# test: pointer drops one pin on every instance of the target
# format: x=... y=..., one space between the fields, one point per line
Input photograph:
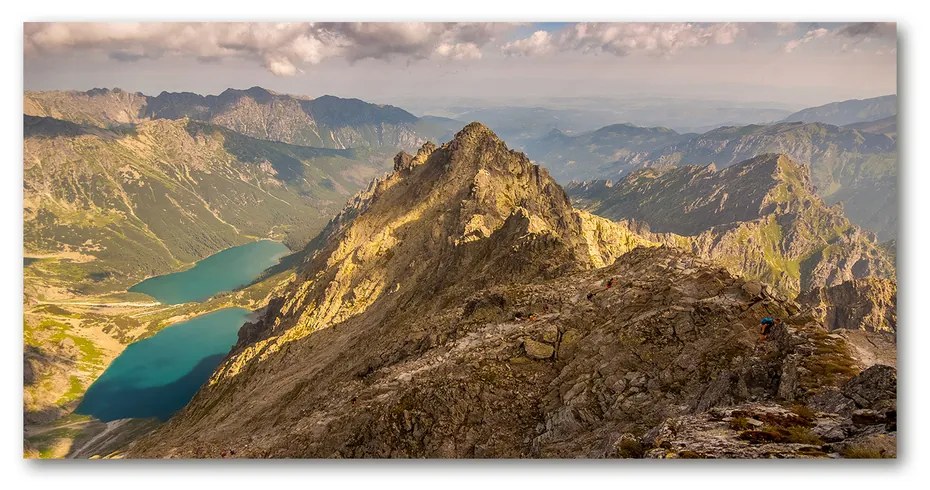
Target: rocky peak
x=96 y=92
x=258 y=94
x=404 y=162
x=449 y=220
x=690 y=199
x=759 y=217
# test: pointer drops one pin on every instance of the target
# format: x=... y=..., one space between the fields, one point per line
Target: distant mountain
x=848 y=111
x=599 y=152
x=887 y=126
x=461 y=308
x=116 y=205
x=533 y=117
x=326 y=122
x=760 y=218
x=440 y=128
x=103 y=108
x=854 y=167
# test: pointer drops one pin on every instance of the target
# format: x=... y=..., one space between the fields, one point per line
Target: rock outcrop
x=857 y=420
x=863 y=304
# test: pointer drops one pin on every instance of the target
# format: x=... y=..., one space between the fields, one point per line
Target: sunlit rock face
x=460 y=307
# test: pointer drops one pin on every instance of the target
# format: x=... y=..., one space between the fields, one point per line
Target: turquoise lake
x=157 y=376
x=223 y=271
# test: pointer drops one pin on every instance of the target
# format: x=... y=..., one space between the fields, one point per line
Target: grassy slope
x=105 y=208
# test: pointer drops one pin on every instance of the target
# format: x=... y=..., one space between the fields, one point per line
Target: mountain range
x=849 y=111
x=461 y=307
x=849 y=165
x=759 y=218
x=325 y=122
x=127 y=203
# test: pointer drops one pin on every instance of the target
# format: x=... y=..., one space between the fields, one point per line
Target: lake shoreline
x=224 y=271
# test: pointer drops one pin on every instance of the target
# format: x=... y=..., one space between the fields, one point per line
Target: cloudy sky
x=787 y=64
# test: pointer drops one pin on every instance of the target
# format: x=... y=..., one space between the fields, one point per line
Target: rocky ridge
x=760 y=218
x=457 y=308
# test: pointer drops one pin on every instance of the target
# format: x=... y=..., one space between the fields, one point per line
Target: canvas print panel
x=460 y=240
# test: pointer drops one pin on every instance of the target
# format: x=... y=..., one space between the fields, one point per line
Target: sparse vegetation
x=630 y=448
x=864 y=451
x=740 y=423
x=803 y=435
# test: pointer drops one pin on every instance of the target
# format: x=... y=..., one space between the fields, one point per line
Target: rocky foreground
x=462 y=308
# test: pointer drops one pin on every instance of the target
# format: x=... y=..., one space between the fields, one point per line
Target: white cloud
x=459 y=51
x=282 y=48
x=281 y=67
x=540 y=42
x=652 y=38
x=811 y=35
x=850 y=34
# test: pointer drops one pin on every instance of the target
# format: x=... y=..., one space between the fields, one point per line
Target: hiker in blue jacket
x=765 y=326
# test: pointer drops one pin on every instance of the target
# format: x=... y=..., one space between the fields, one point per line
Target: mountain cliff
x=460 y=307
x=760 y=218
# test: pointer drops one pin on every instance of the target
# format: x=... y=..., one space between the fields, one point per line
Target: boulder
x=872 y=386
x=538 y=350
x=752 y=288
x=865 y=416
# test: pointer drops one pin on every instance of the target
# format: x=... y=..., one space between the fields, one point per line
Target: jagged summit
x=448 y=221
x=690 y=199
x=475 y=130
x=761 y=217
